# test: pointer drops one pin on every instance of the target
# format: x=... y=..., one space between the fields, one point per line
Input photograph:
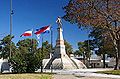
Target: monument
x=60 y=59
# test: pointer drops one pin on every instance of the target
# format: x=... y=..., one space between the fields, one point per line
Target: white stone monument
x=60 y=59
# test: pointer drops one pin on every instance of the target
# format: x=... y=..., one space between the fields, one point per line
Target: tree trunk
x=89 y=62
x=104 y=60
x=41 y=67
x=119 y=49
x=117 y=56
x=116 y=65
x=84 y=58
x=119 y=53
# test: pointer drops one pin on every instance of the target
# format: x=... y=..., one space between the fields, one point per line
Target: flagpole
x=42 y=55
x=11 y=12
x=51 y=41
x=32 y=45
x=32 y=51
x=51 y=45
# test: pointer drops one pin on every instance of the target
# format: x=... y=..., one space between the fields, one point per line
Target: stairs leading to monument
x=68 y=64
x=75 y=63
x=49 y=63
x=79 y=64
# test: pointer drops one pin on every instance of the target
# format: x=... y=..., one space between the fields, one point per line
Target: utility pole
x=11 y=13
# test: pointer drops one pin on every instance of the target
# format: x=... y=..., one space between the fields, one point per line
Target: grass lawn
x=25 y=76
x=113 y=72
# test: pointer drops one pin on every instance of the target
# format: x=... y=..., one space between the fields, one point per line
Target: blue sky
x=32 y=14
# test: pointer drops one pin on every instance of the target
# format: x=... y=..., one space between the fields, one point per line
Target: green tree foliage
x=5 y=43
x=68 y=48
x=104 y=14
x=46 y=49
x=101 y=40
x=27 y=58
x=78 y=53
x=85 y=49
x=29 y=44
x=0 y=51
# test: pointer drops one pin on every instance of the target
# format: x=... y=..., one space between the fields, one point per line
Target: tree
x=85 y=48
x=46 y=49
x=0 y=51
x=82 y=48
x=29 y=44
x=5 y=46
x=27 y=58
x=44 y=52
x=68 y=48
x=78 y=52
x=102 y=41
x=97 y=13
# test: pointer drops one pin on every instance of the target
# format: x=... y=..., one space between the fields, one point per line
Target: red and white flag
x=27 y=33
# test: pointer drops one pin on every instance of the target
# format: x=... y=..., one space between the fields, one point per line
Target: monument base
x=60 y=59
x=64 y=63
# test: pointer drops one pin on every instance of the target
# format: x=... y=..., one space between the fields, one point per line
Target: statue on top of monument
x=59 y=22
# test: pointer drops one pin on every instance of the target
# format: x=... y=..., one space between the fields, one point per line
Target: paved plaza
x=82 y=74
x=79 y=77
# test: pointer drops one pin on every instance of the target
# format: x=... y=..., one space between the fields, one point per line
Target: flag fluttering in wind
x=27 y=33
x=44 y=29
